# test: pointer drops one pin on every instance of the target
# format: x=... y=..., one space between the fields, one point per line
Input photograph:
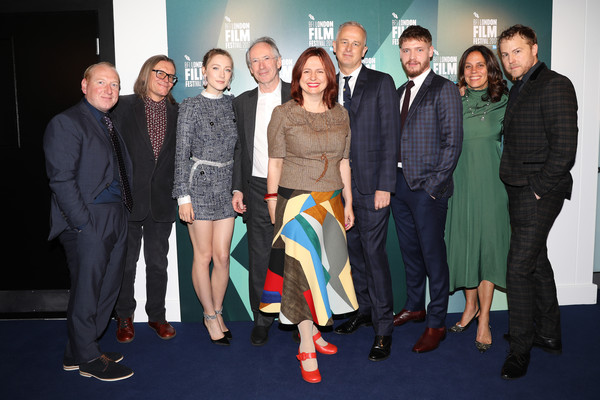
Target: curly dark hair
x=496 y=84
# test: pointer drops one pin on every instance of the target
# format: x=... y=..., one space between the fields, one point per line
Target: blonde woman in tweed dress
x=206 y=137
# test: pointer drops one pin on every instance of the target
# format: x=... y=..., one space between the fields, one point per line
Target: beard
x=415 y=71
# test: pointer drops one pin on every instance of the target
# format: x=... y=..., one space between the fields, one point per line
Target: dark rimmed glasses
x=160 y=74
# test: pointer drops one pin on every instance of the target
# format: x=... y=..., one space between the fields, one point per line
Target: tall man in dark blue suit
x=89 y=171
x=372 y=103
x=430 y=144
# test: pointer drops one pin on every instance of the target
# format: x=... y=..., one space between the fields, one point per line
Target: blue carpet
x=190 y=367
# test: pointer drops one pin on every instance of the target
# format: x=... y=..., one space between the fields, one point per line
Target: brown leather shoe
x=163 y=329
x=430 y=340
x=406 y=316
x=125 y=331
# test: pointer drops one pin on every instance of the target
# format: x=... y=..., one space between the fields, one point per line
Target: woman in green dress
x=477 y=225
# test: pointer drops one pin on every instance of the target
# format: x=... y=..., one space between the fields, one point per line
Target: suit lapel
x=139 y=112
x=359 y=88
x=525 y=90
x=250 y=120
x=420 y=95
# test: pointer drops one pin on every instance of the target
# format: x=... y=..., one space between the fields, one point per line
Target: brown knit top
x=311 y=145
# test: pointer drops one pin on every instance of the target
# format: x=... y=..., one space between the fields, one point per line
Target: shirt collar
x=273 y=93
x=210 y=95
x=95 y=112
x=353 y=73
x=528 y=74
x=418 y=80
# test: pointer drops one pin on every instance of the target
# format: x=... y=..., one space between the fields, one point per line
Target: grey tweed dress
x=206 y=137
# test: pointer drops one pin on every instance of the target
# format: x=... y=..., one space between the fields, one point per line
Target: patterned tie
x=126 y=191
x=347 y=94
x=404 y=112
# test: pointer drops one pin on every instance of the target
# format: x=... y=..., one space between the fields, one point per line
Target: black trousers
x=156 y=247
x=95 y=258
x=531 y=291
x=370 y=267
x=260 y=239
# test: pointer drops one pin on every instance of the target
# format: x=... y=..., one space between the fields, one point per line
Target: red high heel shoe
x=327 y=349
x=309 y=376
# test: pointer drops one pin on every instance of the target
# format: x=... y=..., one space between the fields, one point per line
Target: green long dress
x=477 y=225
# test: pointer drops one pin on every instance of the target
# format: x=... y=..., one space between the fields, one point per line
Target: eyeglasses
x=160 y=74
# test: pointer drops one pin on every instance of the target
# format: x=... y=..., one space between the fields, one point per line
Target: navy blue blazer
x=431 y=139
x=80 y=164
x=374 y=125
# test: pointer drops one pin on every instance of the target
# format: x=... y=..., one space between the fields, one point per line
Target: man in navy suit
x=430 y=144
x=89 y=173
x=253 y=112
x=147 y=120
x=372 y=103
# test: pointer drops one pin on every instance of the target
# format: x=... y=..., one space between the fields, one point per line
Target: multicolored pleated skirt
x=309 y=274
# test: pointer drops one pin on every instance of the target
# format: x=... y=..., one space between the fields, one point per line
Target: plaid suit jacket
x=374 y=123
x=540 y=131
x=431 y=139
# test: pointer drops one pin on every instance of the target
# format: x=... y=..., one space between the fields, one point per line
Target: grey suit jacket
x=244 y=106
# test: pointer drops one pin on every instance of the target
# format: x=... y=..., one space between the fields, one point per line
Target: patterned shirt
x=156 y=118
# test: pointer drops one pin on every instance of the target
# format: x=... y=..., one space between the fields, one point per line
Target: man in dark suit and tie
x=147 y=120
x=89 y=173
x=430 y=144
x=540 y=131
x=372 y=103
x=253 y=110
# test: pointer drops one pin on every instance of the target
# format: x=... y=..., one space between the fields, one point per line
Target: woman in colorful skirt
x=310 y=202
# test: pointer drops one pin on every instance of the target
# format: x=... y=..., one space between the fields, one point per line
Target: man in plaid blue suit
x=430 y=144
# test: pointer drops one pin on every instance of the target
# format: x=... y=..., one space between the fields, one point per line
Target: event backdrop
x=196 y=26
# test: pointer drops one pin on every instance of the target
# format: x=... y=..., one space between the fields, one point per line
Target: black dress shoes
x=515 y=366
x=353 y=324
x=549 y=345
x=259 y=335
x=381 y=348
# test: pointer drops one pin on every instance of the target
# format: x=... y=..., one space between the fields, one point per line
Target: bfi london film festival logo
x=485 y=31
x=285 y=73
x=446 y=66
x=398 y=26
x=192 y=72
x=237 y=34
x=320 y=33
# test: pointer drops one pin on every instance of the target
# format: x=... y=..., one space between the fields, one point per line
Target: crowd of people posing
x=316 y=167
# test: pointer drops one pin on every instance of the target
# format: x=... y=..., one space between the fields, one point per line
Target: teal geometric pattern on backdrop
x=195 y=26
